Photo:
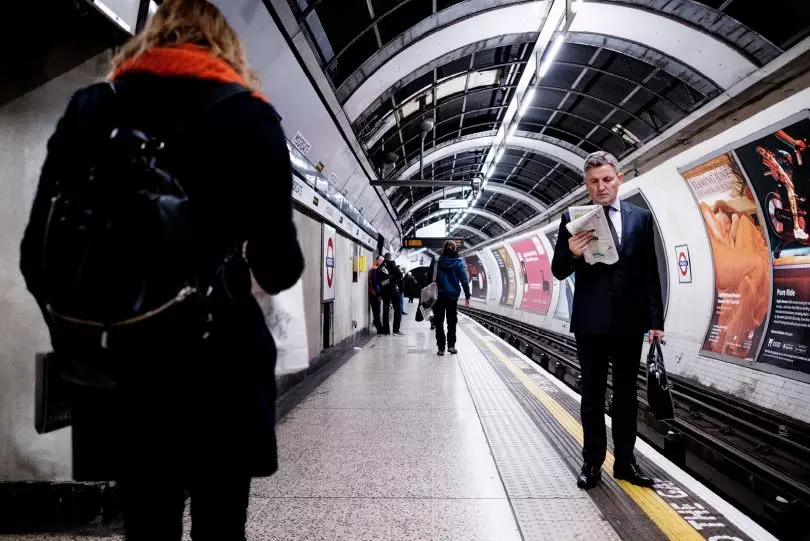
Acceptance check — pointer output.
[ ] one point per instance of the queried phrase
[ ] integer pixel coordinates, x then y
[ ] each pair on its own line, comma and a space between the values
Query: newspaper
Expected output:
601, 249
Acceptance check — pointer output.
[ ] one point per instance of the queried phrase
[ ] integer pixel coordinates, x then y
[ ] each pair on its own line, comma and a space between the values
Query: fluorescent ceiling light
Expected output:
552, 54
576, 5
526, 102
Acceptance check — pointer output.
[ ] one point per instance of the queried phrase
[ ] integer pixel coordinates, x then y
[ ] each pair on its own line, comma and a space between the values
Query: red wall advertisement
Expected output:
536, 273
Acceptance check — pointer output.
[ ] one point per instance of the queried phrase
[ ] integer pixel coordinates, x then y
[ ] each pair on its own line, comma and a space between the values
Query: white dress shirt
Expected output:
615, 215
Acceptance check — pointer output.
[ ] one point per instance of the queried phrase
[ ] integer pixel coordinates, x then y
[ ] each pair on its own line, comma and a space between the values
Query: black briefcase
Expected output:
51, 408
659, 395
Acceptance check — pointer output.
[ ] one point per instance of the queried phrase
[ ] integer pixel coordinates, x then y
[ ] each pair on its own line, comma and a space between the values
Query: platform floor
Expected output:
401, 444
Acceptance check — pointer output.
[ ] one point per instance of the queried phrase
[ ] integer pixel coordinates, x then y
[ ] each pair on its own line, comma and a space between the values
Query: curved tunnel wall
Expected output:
690, 305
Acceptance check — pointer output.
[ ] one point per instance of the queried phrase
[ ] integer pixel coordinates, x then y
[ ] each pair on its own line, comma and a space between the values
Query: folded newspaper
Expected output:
601, 249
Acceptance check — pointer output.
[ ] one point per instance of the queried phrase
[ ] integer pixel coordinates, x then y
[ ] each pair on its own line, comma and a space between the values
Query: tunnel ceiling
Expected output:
626, 71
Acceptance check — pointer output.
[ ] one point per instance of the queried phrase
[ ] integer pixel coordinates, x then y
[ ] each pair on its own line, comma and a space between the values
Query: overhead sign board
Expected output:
434, 243
453, 204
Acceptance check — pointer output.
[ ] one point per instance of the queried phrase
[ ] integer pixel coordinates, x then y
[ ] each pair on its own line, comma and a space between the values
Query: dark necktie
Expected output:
612, 228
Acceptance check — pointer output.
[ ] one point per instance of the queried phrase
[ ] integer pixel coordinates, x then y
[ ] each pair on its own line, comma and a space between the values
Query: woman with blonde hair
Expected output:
153, 183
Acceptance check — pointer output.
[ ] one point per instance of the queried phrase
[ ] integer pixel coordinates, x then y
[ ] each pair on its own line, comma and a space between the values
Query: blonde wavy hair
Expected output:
197, 22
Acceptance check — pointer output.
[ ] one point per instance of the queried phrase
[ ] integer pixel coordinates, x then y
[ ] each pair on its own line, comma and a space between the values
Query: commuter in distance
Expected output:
154, 181
389, 278
614, 306
451, 278
374, 293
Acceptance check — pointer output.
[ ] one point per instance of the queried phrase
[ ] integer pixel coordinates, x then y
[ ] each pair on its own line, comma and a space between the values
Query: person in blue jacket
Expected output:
451, 278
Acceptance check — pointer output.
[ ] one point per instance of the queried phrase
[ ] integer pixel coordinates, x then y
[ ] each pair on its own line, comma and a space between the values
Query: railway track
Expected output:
754, 457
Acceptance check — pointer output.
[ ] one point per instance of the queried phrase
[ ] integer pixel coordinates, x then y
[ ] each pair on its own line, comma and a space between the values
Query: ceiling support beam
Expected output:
424, 183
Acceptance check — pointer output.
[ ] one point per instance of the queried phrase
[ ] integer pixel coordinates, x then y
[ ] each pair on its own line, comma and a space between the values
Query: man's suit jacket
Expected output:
623, 297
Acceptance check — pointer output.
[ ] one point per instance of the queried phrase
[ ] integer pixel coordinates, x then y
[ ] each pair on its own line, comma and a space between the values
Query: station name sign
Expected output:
434, 243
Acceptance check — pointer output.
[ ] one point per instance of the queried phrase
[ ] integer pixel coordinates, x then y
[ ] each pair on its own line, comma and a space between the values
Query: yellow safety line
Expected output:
660, 512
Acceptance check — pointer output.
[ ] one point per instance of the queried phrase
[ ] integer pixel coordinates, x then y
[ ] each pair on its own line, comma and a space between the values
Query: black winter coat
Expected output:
209, 407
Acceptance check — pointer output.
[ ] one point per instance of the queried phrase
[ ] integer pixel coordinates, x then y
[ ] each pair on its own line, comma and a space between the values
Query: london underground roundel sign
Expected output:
684, 264
329, 263
328, 256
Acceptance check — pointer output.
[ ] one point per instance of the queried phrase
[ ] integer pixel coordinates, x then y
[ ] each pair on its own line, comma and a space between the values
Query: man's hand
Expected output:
579, 242
656, 334
467, 303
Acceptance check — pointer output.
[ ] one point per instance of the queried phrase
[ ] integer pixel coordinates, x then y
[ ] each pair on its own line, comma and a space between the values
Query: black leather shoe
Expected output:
590, 476
633, 474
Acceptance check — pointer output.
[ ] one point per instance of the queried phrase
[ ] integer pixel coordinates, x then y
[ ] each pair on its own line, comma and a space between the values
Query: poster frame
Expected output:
803, 114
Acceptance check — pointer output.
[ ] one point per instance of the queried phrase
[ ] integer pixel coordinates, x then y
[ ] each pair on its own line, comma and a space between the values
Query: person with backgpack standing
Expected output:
135, 250
389, 277
448, 273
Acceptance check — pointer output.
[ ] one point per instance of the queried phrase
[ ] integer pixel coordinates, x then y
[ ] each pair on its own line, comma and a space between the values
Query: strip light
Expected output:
552, 54
528, 96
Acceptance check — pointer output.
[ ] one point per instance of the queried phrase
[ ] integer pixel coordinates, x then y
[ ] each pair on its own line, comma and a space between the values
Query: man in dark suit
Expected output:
614, 306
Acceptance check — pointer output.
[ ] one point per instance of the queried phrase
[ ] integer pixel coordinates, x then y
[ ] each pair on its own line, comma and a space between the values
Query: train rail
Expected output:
754, 457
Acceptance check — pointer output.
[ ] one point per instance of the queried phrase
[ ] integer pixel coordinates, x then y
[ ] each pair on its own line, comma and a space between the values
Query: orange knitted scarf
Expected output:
183, 61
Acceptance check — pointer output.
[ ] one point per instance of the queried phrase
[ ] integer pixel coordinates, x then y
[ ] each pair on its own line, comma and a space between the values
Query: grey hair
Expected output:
600, 158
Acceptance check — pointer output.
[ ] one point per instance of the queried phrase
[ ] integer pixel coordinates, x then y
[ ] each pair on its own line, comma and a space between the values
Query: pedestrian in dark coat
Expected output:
202, 416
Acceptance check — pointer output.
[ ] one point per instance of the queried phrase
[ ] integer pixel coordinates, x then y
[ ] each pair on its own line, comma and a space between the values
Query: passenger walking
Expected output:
614, 305
388, 278
451, 278
162, 190
374, 294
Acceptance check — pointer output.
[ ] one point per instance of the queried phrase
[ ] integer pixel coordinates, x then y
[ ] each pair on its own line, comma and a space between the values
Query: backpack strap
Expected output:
435, 270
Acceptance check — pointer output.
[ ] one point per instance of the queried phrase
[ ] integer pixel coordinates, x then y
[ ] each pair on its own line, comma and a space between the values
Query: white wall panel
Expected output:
343, 308
309, 237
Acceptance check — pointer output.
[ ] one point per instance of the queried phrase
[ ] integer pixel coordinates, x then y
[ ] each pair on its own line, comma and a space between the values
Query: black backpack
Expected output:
118, 247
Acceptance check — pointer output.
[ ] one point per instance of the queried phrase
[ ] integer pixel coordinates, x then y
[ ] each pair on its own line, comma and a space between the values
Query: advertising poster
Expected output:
536, 270
328, 259
742, 270
507, 272
478, 277
565, 302
778, 170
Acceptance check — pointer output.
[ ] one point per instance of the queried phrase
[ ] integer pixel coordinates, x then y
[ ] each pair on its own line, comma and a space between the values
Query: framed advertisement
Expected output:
536, 271
328, 264
507, 272
478, 277
753, 196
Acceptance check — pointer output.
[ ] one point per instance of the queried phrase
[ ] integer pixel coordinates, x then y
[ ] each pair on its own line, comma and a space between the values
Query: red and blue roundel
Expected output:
330, 261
